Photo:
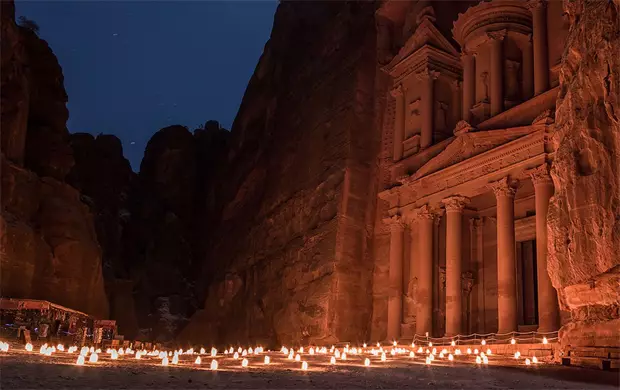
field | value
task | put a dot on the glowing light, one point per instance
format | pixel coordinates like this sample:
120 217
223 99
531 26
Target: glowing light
213 352
394 343
441 355
267 360
332 360
244 353
290 355
284 350
453 343
378 344
120 351
420 350
485 360
434 351
412 345
527 362
80 360
164 361
428 351
343 356
29 347
198 360
162 355
431 356
239 349
364 345
61 348
534 359
114 354
457 351
83 351
393 352
545 340
383 357
244 363
469 351
91 350
138 355
517 354
311 351
202 351
513 341
430 344
450 357
483 342
475 351
214 365
478 360
297 358
428 360
304 366
337 354
175 359
4 347
411 354
488 351
236 355
250 351
93 358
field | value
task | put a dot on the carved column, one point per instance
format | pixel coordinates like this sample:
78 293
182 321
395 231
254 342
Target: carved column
477 243
548 309
541 52
506 266
456 102
469 85
528 69
395 300
454 249
399 122
428 77
424 313
497 71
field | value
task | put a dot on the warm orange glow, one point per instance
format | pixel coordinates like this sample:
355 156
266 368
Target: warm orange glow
304 366
198 360
332 360
527 362
267 360
29 347
214 365
80 360
93 358
244 363
367 362
164 361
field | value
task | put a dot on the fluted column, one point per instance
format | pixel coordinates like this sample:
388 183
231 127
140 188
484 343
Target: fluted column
454 249
541 52
395 299
428 77
528 69
548 309
424 312
399 122
497 71
506 259
469 85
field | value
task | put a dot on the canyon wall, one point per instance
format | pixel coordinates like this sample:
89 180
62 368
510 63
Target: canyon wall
584 217
49 248
292 249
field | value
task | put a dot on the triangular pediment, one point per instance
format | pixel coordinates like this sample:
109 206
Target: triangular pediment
468 145
425 35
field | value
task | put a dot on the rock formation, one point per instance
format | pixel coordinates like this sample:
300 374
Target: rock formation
584 217
49 245
292 246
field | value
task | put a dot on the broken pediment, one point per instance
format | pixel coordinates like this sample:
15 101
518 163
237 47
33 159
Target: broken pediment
469 144
426 34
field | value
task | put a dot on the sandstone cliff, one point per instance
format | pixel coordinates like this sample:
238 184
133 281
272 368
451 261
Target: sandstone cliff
291 250
49 245
584 218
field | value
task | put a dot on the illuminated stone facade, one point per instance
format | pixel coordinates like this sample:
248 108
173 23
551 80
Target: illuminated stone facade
466 179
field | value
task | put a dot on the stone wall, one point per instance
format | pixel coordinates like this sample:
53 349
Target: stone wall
293 241
584 217
49 248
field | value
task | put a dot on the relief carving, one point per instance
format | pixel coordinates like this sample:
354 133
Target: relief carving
467 282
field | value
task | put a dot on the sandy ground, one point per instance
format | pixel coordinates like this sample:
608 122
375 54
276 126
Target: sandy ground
20 370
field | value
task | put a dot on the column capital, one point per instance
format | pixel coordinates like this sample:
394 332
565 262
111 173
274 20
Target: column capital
397 91
455 203
496 35
395 222
504 187
535 4
425 213
475 224
427 74
540 175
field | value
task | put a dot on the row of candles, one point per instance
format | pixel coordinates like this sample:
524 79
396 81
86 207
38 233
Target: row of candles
429 353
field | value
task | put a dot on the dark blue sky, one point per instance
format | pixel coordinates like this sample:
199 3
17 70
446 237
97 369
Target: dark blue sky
132 68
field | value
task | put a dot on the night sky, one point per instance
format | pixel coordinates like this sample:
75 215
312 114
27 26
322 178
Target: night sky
132 68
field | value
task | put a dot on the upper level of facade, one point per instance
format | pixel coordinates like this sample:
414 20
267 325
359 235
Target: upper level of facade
495 67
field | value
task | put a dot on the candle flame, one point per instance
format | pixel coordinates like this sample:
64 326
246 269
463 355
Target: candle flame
244 363
214 364
304 366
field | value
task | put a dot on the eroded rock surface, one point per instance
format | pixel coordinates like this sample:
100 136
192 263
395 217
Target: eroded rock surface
584 219
49 245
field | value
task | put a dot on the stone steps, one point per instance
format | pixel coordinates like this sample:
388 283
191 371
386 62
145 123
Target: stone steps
605 358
